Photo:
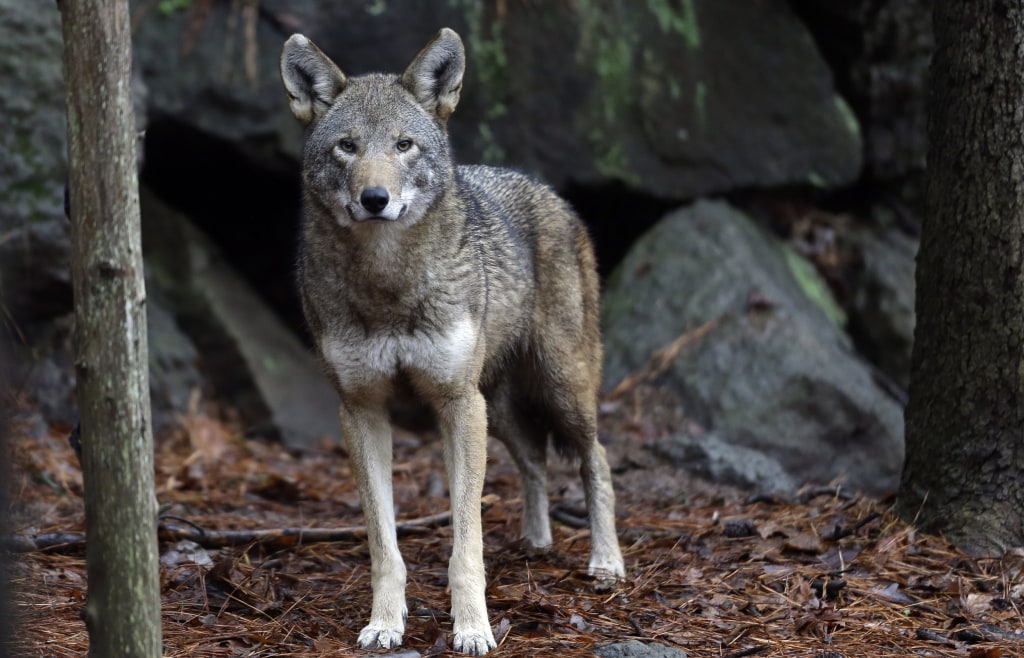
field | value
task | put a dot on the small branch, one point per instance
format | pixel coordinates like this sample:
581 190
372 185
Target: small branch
44 542
749 651
570 517
840 532
661 360
272 538
277 538
810 494
931 636
987 633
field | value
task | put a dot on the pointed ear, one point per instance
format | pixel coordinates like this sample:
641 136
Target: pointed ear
312 80
435 76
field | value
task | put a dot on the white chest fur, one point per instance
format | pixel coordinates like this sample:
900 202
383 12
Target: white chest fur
442 356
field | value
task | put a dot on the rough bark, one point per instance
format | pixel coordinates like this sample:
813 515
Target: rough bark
123 612
6 555
964 474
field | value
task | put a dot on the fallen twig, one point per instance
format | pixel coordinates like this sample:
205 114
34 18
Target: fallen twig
931 636
44 542
276 538
749 651
839 532
661 360
987 633
807 495
574 518
272 538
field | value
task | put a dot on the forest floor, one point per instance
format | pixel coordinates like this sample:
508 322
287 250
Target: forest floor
712 571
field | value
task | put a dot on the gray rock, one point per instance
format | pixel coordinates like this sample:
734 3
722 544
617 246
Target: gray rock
773 374
882 301
34 236
728 456
35 281
196 64
46 374
735 94
255 363
675 101
638 649
173 365
32 117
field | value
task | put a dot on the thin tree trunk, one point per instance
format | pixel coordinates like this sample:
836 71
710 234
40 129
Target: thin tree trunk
6 556
964 475
111 361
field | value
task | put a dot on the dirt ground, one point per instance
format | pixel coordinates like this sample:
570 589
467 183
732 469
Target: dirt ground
711 570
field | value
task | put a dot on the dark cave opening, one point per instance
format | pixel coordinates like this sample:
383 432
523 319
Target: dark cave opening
248 206
616 217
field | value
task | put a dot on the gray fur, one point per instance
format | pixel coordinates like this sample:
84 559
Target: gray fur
473 286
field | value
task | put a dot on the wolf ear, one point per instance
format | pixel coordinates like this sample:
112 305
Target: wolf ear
313 81
435 76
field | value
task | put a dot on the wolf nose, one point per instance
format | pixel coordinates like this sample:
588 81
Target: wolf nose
374 199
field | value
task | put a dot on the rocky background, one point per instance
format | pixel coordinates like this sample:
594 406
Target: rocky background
750 171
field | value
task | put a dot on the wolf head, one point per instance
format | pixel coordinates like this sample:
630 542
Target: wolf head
376 146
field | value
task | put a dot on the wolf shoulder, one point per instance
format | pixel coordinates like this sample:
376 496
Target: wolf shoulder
502 197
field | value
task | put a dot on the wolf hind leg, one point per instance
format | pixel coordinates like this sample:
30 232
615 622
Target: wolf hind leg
570 394
527 442
606 563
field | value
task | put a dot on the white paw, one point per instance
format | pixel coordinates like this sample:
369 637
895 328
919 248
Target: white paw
605 581
537 540
474 643
607 573
373 637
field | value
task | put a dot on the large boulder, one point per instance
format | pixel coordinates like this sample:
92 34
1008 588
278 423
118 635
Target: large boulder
756 357
673 101
712 96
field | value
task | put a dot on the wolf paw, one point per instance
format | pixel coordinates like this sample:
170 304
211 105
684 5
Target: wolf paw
474 643
605 581
372 637
607 574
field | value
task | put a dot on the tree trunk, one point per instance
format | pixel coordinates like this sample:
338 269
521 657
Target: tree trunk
111 360
6 556
964 474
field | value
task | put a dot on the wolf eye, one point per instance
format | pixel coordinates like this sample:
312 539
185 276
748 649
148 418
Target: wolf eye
403 145
347 145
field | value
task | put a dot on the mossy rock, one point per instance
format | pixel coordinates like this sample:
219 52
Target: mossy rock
772 372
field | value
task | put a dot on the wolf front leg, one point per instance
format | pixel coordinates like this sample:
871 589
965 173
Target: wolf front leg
463 425
368 438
